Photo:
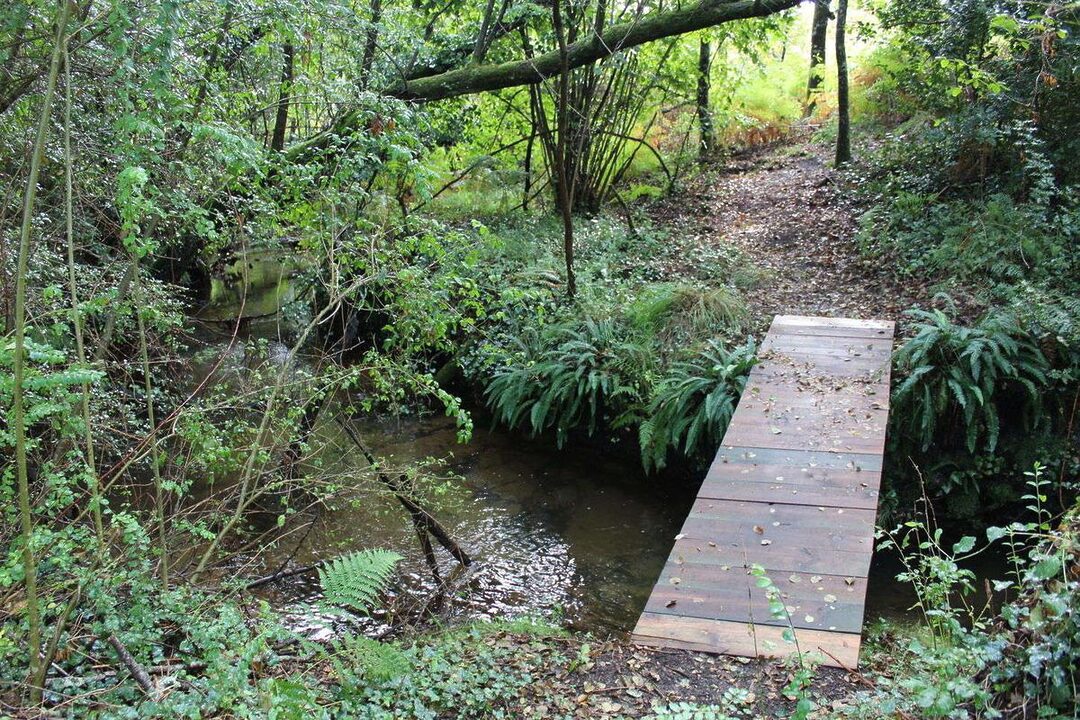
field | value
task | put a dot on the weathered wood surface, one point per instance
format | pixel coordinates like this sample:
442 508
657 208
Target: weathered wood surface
794 489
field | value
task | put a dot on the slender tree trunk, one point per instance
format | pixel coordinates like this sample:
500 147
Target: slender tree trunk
843 132
529 157
563 179
277 142
704 111
94 485
480 48
148 388
371 44
819 30
18 409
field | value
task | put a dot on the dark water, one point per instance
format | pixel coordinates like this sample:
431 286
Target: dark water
577 536
554 533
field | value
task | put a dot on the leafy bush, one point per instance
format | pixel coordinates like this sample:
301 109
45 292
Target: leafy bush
691 407
465 674
1026 662
585 373
962 377
985 242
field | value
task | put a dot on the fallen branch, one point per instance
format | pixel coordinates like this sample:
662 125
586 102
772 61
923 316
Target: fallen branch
420 516
282 574
137 671
531 70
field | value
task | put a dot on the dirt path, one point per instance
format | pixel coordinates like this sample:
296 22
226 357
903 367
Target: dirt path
782 208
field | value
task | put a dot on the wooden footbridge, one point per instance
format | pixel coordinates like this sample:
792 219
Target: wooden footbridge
793 489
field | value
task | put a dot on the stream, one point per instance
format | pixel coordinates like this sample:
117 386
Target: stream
567 535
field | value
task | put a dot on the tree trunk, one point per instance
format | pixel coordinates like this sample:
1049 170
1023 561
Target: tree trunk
371 44
818 33
527 190
277 142
704 112
843 131
563 179
18 411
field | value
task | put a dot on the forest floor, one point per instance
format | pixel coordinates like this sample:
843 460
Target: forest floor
784 209
614 679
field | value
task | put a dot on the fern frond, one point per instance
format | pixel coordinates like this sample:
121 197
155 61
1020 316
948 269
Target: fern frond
354 581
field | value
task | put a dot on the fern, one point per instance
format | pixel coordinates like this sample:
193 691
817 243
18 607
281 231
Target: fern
356 657
691 408
355 580
957 376
586 372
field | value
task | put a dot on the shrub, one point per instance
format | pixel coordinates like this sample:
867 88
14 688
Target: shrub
585 373
691 407
1023 663
962 377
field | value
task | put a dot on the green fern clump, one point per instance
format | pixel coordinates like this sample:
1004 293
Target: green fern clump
587 372
957 376
691 408
354 581
356 657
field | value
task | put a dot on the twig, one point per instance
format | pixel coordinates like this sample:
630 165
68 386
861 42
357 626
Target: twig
858 675
137 671
281 575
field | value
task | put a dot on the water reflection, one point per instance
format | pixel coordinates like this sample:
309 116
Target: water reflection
552 532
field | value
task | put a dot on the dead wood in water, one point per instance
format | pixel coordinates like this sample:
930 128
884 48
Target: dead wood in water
422 519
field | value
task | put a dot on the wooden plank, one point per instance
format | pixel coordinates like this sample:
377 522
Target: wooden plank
730 549
829 322
794 476
833 327
792 490
825 602
879 349
734 638
806 492
810 459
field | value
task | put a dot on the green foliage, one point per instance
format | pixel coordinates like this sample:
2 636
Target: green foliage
358 658
585 374
688 711
687 312
986 243
964 377
466 674
691 406
1027 659
355 580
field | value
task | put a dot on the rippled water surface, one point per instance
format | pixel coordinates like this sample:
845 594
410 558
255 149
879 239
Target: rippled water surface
551 532
563 533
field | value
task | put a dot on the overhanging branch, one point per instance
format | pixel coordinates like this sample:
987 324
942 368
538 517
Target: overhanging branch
484 78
